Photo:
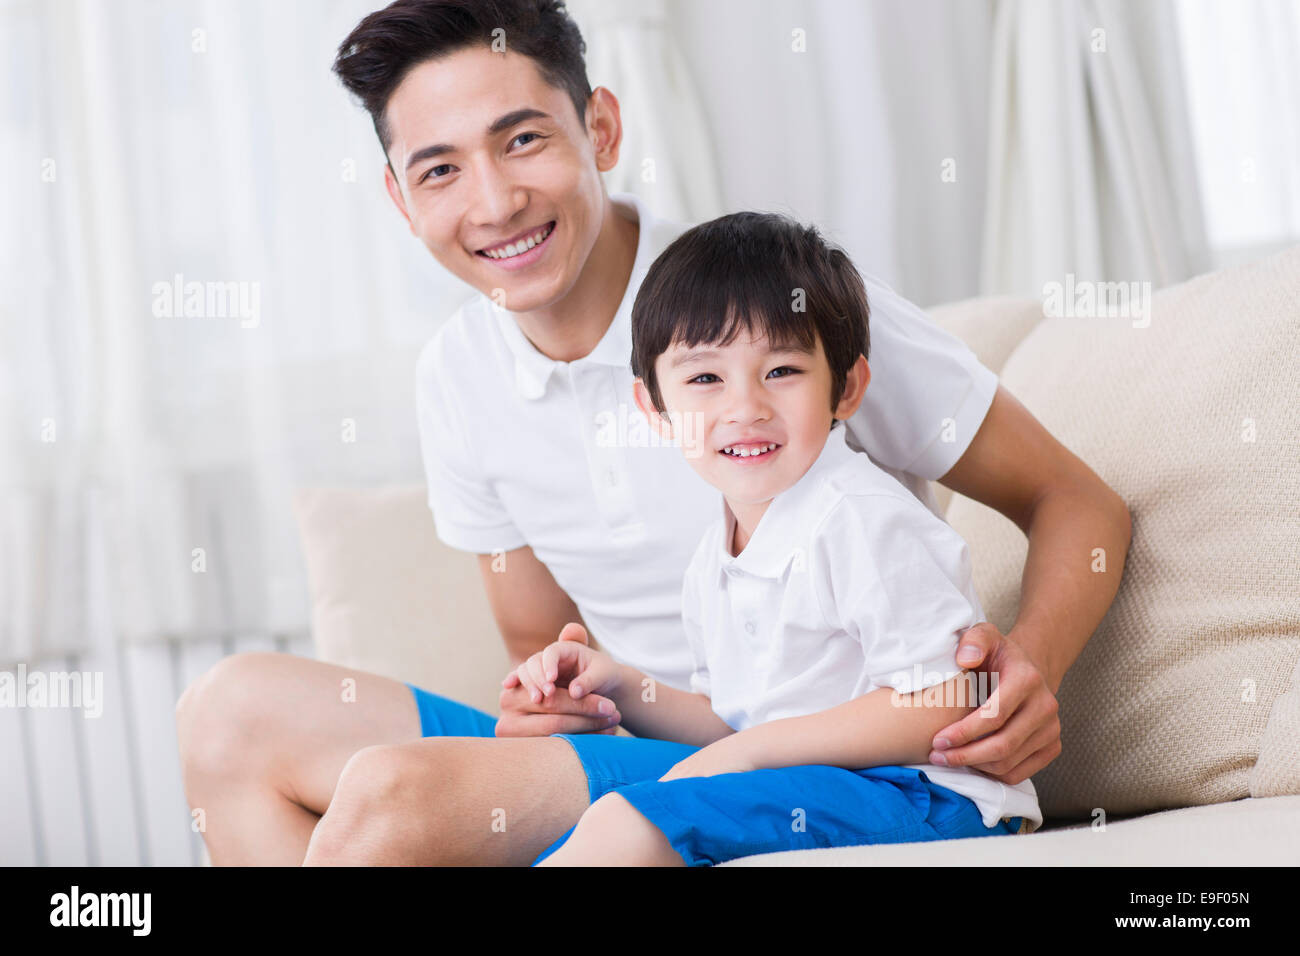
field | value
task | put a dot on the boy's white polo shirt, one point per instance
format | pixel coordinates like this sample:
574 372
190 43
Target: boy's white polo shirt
520 449
848 584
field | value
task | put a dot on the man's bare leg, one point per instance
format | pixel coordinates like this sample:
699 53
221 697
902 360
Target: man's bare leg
263 738
452 800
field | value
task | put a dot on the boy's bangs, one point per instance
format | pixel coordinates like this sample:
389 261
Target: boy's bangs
717 310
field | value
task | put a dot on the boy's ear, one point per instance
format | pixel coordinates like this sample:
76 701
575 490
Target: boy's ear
661 425
395 193
855 386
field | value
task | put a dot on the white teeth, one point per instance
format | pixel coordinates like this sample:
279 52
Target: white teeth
748 453
523 245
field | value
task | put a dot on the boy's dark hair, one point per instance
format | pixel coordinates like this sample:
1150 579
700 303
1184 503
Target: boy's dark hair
384 47
747 269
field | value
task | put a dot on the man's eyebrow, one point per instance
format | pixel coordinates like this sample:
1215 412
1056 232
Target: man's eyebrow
500 124
699 356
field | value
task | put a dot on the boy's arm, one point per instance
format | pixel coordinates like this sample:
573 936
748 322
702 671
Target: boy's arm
652 709
645 707
880 728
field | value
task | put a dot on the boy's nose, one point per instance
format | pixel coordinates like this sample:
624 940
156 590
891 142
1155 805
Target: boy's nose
747 403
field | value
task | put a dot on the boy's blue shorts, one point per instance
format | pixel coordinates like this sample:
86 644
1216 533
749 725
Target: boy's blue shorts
709 820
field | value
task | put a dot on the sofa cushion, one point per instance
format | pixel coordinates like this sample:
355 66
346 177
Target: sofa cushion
1195 421
992 326
388 597
1242 833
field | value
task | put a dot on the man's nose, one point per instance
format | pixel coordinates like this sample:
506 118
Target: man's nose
497 198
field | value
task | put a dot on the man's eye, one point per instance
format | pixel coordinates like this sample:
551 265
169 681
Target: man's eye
522 135
432 173
700 376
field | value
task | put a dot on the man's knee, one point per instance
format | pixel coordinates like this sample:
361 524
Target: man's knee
220 717
374 809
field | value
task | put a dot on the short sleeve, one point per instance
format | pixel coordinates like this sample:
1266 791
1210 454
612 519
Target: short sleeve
897 578
692 624
467 514
928 393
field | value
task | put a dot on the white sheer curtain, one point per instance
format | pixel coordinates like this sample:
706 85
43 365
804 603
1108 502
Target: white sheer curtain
162 144
667 154
1241 64
1091 167
867 117
145 141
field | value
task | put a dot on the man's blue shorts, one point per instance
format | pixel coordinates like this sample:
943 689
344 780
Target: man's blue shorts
710 820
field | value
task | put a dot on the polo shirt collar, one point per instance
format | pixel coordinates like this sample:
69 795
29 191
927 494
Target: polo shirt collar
783 531
533 370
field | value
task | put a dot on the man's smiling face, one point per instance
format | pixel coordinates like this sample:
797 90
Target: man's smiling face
491 158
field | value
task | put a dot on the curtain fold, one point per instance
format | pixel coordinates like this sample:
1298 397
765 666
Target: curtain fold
1091 167
667 154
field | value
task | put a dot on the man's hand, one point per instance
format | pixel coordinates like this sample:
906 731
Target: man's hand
526 713
1025 735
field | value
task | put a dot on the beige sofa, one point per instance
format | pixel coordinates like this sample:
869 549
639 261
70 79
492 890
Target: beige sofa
1181 720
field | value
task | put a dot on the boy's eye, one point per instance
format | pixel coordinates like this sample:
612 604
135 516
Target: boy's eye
700 376
784 368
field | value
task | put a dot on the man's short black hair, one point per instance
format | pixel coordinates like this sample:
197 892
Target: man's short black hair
385 46
751 270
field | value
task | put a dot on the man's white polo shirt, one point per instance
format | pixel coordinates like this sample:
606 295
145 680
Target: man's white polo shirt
520 449
848 584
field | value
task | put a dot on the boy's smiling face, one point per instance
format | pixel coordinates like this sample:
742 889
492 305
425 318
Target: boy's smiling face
759 415
487 153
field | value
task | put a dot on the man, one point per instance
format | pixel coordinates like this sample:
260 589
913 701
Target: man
495 145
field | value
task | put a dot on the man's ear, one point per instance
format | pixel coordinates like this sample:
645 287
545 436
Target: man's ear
855 386
663 426
604 128
395 193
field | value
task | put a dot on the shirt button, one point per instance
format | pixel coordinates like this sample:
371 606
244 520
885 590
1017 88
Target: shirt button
749 626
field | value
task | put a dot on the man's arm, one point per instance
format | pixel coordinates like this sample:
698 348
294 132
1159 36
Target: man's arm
531 609
881 728
1015 466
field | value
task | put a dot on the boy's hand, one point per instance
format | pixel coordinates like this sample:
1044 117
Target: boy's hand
568 668
724 756
557 714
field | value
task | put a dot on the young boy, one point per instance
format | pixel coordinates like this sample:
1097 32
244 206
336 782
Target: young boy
823 609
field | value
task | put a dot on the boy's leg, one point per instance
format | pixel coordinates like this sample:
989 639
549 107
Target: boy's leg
263 738
612 832
706 820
